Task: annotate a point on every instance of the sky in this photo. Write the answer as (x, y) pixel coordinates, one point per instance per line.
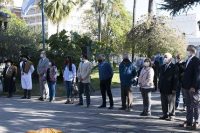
(141, 7)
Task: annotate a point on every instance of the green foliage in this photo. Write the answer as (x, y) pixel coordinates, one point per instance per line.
(17, 39)
(154, 36)
(116, 22)
(175, 6)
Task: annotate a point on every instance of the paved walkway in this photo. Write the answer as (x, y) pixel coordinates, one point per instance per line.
(18, 116)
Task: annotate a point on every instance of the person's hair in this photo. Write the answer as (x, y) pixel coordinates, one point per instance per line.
(85, 56)
(101, 56)
(179, 56)
(70, 62)
(192, 48)
(148, 60)
(53, 63)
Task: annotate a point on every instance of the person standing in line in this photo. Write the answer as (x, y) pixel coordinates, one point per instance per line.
(127, 72)
(146, 83)
(83, 74)
(181, 68)
(191, 88)
(9, 77)
(52, 73)
(168, 82)
(69, 76)
(42, 70)
(105, 77)
(27, 68)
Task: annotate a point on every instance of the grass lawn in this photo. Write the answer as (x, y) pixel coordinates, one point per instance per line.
(60, 89)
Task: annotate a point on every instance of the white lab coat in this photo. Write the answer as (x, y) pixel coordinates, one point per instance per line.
(26, 78)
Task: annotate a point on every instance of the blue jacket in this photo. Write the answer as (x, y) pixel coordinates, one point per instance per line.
(105, 71)
(127, 72)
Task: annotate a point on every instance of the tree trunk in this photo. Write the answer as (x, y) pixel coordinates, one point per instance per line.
(150, 8)
(58, 25)
(134, 16)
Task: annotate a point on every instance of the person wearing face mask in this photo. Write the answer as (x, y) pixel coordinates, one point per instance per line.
(191, 88)
(42, 70)
(127, 72)
(9, 77)
(69, 76)
(83, 74)
(168, 82)
(181, 68)
(26, 68)
(105, 77)
(52, 73)
(146, 84)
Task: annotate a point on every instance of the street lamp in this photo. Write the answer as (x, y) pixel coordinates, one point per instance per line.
(100, 8)
(4, 18)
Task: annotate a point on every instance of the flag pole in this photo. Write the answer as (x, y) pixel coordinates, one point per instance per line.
(43, 26)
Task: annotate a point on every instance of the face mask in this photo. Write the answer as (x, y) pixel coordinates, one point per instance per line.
(42, 56)
(9, 64)
(189, 54)
(146, 64)
(50, 64)
(165, 60)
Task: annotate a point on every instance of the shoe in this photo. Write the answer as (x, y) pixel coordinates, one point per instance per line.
(170, 118)
(79, 104)
(41, 99)
(23, 97)
(111, 107)
(129, 109)
(145, 114)
(122, 108)
(185, 124)
(67, 102)
(195, 126)
(163, 117)
(29, 98)
(142, 114)
(9, 96)
(102, 106)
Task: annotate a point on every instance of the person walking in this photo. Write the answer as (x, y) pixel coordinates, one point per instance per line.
(191, 88)
(105, 77)
(146, 83)
(181, 68)
(42, 70)
(26, 68)
(52, 73)
(127, 72)
(69, 76)
(83, 74)
(168, 82)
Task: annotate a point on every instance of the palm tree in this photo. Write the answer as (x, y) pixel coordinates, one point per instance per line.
(134, 14)
(57, 10)
(150, 8)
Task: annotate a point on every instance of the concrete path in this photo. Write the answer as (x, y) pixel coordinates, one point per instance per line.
(18, 116)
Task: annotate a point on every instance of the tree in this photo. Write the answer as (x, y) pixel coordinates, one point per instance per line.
(150, 8)
(116, 22)
(57, 10)
(176, 6)
(156, 36)
(17, 39)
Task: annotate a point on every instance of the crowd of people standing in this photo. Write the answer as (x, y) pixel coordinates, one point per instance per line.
(169, 75)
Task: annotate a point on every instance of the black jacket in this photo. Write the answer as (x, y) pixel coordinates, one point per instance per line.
(181, 69)
(191, 77)
(168, 79)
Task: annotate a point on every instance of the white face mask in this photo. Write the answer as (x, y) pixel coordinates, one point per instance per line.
(146, 64)
(50, 64)
(41, 55)
(9, 64)
(189, 54)
(166, 60)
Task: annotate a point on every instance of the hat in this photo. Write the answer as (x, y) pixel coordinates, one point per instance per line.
(8, 60)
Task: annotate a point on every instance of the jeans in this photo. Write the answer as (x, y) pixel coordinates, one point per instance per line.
(146, 96)
(105, 86)
(68, 86)
(52, 90)
(178, 93)
(84, 87)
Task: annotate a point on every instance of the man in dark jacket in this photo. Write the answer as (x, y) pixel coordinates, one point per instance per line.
(181, 67)
(105, 76)
(127, 72)
(167, 84)
(191, 85)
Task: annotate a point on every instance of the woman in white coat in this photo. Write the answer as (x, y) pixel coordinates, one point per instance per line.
(27, 69)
